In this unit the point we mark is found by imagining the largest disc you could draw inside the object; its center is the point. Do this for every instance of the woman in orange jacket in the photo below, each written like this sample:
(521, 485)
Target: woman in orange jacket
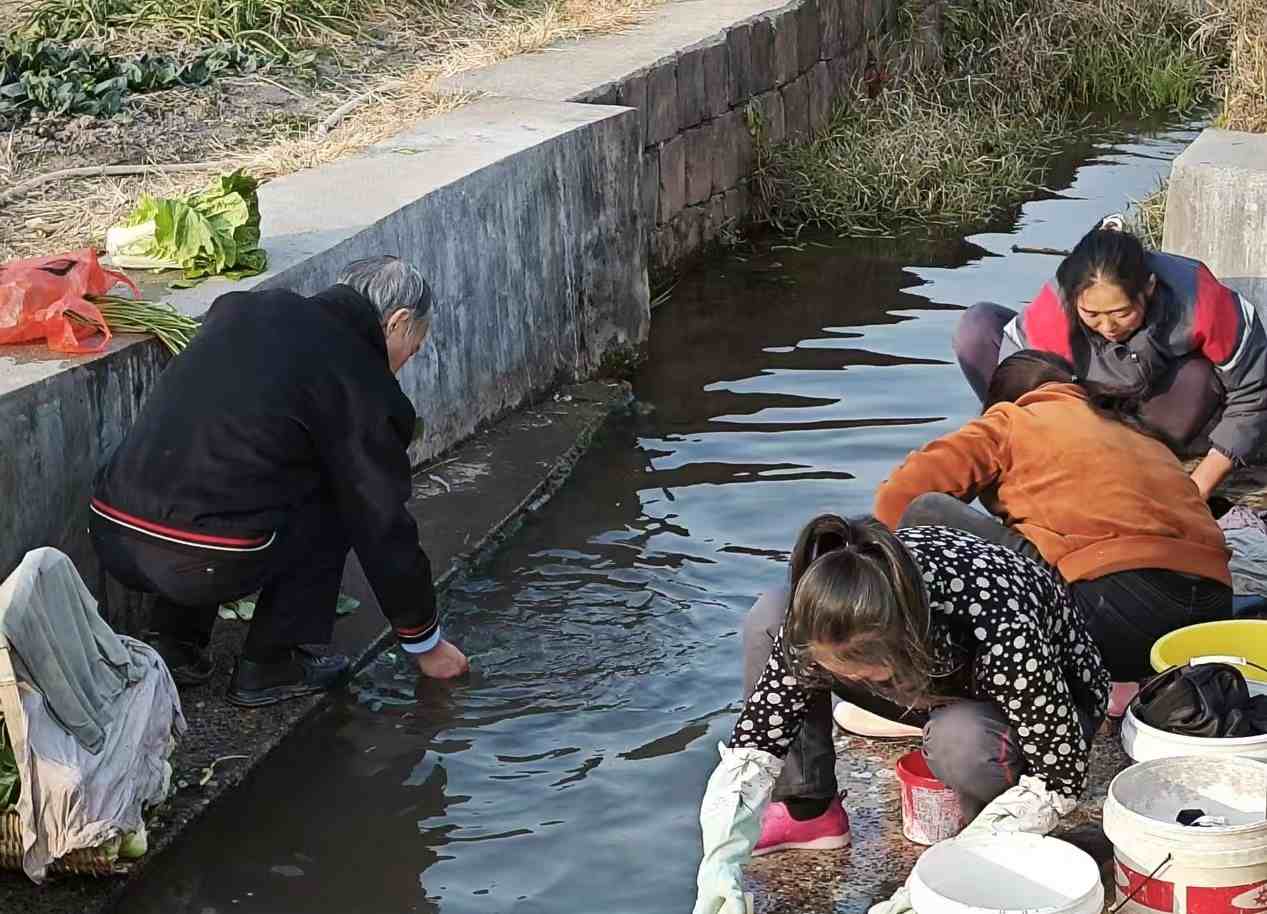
(1076, 480)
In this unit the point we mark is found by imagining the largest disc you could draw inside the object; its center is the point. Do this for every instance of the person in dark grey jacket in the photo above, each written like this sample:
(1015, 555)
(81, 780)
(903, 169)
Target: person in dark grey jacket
(274, 444)
(1156, 325)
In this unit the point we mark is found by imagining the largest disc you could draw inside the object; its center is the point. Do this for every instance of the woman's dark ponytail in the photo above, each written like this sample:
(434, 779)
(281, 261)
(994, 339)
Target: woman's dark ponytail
(1030, 369)
(855, 585)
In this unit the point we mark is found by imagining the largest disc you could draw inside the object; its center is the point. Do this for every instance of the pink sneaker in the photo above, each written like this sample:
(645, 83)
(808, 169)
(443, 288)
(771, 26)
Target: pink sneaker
(1121, 697)
(780, 832)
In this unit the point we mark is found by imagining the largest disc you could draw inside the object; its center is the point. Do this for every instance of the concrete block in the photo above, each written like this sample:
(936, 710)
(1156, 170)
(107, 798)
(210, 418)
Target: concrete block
(761, 71)
(672, 179)
(716, 79)
(737, 204)
(786, 57)
(822, 96)
(650, 183)
(769, 107)
(690, 232)
(734, 151)
(846, 74)
(739, 74)
(662, 104)
(808, 35)
(715, 219)
(831, 34)
(1216, 210)
(853, 29)
(796, 109)
(700, 153)
(691, 94)
(873, 18)
(631, 92)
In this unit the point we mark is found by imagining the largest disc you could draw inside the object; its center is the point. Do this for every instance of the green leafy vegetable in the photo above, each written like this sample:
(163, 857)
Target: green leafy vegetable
(10, 784)
(39, 73)
(212, 233)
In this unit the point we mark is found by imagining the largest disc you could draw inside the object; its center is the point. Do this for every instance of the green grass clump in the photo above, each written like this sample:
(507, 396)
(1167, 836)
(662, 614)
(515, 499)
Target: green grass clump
(952, 147)
(268, 25)
(908, 159)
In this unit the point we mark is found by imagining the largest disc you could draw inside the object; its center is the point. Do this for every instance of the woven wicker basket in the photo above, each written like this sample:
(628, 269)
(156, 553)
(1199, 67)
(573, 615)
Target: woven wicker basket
(82, 862)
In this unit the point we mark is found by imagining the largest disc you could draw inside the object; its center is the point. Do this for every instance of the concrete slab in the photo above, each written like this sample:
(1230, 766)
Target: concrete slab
(464, 505)
(663, 117)
(716, 68)
(701, 149)
(1216, 209)
(567, 70)
(796, 109)
(691, 94)
(672, 179)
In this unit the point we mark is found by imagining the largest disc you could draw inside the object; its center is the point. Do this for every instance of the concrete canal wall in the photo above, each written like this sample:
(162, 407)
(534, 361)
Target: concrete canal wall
(535, 211)
(694, 73)
(1216, 209)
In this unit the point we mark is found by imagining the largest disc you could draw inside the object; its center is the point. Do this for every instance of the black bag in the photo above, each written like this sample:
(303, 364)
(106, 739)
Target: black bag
(1211, 700)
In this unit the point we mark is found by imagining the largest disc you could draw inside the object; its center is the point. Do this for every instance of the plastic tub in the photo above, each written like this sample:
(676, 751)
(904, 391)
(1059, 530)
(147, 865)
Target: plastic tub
(1162, 866)
(998, 874)
(1235, 637)
(1144, 743)
(930, 809)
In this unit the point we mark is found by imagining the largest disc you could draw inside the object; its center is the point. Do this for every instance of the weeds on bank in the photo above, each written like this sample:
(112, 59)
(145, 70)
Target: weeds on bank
(1242, 26)
(1148, 216)
(955, 144)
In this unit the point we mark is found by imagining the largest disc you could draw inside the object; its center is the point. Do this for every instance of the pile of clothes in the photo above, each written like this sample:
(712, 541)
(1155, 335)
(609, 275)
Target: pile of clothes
(1211, 701)
(91, 717)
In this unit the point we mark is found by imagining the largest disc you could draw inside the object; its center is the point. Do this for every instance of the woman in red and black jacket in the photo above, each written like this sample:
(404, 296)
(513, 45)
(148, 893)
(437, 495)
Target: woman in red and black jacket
(1157, 324)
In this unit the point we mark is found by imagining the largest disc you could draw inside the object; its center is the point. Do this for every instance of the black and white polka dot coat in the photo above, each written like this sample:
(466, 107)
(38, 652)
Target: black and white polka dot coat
(1002, 625)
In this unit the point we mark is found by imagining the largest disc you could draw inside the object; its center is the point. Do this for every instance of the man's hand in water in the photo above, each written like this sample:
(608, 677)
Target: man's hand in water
(444, 661)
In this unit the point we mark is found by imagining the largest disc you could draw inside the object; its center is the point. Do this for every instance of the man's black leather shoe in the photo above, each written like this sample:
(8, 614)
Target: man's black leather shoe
(255, 685)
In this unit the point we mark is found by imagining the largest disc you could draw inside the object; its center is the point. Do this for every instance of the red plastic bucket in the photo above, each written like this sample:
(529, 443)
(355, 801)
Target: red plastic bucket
(930, 809)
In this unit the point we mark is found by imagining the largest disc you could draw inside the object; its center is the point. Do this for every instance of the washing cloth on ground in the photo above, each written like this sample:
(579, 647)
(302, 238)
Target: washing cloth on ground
(72, 798)
(1246, 535)
(1211, 700)
(57, 639)
(1240, 517)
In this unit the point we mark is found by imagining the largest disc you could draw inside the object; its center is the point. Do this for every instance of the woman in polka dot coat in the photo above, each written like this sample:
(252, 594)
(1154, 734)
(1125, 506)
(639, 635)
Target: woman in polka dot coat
(980, 645)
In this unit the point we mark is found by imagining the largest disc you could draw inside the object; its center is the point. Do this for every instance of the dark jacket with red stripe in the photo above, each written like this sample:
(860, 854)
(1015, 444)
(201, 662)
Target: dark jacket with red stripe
(1190, 313)
(281, 401)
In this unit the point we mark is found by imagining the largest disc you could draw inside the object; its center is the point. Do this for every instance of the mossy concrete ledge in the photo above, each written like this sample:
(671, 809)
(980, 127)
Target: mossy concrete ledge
(523, 216)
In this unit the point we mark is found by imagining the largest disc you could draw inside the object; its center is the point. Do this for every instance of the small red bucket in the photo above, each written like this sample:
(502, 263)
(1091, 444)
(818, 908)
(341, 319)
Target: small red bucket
(930, 809)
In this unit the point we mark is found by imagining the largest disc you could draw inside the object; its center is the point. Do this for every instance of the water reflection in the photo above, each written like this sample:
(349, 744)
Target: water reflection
(565, 776)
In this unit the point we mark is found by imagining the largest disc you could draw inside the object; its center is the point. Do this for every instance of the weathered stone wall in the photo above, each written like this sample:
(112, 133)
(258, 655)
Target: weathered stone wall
(534, 215)
(694, 72)
(523, 216)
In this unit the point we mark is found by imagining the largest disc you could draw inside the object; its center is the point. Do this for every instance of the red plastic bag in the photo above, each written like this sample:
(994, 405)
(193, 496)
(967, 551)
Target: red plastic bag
(36, 294)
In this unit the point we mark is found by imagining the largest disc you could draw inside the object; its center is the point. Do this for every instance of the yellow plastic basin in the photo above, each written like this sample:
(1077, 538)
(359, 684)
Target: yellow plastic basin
(1236, 638)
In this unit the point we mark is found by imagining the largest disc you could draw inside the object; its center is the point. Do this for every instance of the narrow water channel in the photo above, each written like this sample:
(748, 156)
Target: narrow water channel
(565, 777)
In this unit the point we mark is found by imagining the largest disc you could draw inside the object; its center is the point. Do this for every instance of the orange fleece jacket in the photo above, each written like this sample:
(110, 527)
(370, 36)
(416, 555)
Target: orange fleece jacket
(1093, 495)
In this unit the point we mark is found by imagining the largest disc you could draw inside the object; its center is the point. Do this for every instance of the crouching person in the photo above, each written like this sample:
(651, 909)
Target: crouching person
(274, 444)
(980, 645)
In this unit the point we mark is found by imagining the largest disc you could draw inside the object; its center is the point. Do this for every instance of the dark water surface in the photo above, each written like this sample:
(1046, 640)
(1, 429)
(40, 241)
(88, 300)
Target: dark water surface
(566, 775)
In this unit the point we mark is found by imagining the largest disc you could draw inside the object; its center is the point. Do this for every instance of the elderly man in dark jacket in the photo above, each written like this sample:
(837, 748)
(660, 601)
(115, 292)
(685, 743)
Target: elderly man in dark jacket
(274, 444)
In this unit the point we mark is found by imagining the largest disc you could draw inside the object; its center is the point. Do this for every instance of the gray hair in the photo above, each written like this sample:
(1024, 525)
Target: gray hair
(390, 284)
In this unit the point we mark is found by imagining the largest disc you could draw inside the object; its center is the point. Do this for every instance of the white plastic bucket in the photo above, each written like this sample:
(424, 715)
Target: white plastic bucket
(994, 874)
(1144, 743)
(1177, 869)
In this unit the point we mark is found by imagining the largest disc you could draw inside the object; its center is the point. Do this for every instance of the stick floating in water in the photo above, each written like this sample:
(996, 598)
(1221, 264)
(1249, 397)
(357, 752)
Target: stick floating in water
(1022, 249)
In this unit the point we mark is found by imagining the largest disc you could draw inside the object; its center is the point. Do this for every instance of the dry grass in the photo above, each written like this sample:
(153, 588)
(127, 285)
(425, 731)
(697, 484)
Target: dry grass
(443, 38)
(1243, 26)
(956, 148)
(1148, 216)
